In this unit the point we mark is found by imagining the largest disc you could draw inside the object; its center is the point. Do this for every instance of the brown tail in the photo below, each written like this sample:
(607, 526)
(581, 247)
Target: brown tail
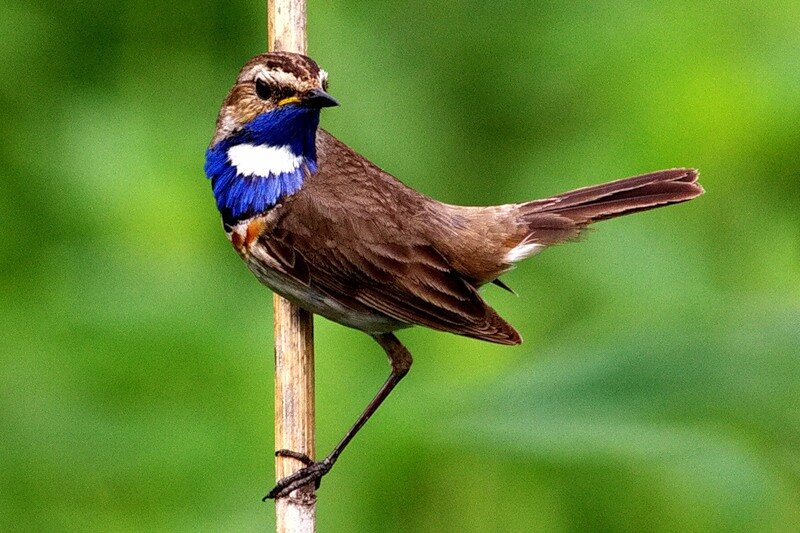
(562, 217)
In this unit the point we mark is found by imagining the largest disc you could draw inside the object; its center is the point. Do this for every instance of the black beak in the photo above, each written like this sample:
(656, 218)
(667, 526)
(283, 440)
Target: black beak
(319, 98)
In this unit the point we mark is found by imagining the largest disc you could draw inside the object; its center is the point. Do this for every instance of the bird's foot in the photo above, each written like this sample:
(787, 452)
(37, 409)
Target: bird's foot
(313, 472)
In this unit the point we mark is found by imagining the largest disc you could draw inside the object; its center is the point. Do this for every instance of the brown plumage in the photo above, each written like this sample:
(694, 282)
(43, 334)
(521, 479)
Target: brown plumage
(357, 246)
(360, 237)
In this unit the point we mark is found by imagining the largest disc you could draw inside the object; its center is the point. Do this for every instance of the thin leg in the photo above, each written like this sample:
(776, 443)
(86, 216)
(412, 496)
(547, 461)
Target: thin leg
(400, 359)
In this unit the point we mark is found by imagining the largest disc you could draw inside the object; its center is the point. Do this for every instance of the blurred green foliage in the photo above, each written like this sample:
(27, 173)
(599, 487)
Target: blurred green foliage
(659, 385)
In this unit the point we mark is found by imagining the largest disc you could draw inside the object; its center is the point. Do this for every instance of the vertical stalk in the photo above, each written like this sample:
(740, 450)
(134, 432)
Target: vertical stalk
(294, 332)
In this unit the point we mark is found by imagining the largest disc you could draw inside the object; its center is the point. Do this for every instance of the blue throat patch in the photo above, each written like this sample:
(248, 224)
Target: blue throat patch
(240, 197)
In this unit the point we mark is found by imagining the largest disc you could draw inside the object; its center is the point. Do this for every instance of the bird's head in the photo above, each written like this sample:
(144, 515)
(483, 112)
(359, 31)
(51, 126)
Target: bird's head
(264, 142)
(270, 86)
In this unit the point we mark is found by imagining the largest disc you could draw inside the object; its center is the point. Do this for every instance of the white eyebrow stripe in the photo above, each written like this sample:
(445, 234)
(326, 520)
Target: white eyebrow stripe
(275, 76)
(279, 77)
(263, 160)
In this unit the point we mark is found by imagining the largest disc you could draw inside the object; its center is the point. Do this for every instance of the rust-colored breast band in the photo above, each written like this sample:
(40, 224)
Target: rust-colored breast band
(254, 229)
(242, 241)
(238, 241)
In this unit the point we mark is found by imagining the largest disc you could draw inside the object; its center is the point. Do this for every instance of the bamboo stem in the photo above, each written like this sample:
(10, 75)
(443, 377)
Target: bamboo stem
(294, 333)
(294, 410)
(286, 25)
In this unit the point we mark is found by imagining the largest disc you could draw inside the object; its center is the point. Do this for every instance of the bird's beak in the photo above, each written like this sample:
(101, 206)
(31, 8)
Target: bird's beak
(319, 98)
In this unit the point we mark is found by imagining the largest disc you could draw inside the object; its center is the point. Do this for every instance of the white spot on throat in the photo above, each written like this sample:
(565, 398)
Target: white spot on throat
(262, 160)
(523, 251)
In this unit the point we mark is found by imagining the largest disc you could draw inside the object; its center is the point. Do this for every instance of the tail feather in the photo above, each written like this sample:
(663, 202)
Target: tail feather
(562, 217)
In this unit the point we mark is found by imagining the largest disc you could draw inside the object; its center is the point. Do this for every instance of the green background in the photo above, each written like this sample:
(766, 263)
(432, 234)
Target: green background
(659, 384)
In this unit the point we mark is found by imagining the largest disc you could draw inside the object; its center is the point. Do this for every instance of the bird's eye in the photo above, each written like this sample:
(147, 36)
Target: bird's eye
(263, 90)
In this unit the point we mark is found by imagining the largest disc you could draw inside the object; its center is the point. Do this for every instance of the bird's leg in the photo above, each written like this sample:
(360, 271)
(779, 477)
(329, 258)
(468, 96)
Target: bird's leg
(400, 359)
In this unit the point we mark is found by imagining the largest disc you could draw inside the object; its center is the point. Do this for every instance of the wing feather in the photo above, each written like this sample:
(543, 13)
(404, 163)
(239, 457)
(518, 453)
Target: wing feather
(362, 238)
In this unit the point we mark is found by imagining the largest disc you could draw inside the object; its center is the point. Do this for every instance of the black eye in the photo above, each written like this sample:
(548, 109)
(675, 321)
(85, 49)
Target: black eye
(263, 90)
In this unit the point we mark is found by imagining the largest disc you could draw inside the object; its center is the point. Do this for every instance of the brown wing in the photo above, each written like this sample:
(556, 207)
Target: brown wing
(408, 281)
(357, 235)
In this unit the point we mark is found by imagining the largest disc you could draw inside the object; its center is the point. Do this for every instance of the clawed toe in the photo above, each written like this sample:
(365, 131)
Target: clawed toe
(303, 458)
(311, 473)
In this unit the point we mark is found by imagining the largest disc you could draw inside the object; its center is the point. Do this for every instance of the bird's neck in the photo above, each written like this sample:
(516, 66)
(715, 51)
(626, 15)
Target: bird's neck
(256, 167)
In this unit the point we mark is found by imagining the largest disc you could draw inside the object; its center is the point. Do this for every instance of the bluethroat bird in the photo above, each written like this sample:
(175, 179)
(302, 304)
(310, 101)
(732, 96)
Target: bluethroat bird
(327, 229)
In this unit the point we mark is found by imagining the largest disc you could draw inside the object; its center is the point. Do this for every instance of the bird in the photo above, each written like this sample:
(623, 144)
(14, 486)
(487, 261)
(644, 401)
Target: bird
(332, 232)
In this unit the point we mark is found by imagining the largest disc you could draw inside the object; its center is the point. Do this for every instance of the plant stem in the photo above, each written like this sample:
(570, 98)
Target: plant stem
(294, 333)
